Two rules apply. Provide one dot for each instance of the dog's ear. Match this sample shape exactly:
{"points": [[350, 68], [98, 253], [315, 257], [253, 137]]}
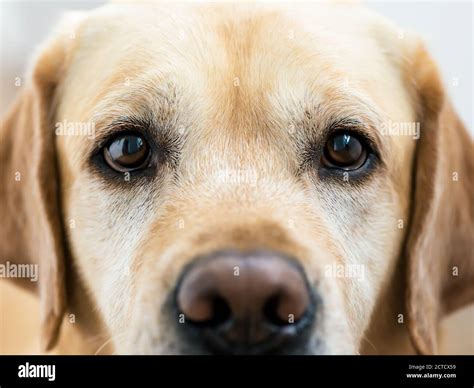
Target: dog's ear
{"points": [[31, 225], [439, 246]]}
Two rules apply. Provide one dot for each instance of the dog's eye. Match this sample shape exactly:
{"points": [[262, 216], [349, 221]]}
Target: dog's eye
{"points": [[344, 151], [127, 152]]}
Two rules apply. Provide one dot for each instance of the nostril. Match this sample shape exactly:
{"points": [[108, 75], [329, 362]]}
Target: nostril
{"points": [[273, 313], [220, 313]]}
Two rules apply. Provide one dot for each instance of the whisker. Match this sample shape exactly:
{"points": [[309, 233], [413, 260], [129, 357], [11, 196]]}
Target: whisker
{"points": [[118, 336]]}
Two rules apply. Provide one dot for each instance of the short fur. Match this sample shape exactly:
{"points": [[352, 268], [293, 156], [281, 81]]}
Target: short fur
{"points": [[241, 91]]}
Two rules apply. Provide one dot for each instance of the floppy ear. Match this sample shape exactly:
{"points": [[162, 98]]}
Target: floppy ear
{"points": [[439, 246], [31, 226]]}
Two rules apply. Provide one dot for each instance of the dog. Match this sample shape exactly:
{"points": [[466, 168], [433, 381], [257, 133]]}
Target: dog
{"points": [[237, 179]]}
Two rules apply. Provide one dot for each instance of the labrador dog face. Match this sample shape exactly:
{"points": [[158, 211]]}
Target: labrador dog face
{"points": [[244, 188]]}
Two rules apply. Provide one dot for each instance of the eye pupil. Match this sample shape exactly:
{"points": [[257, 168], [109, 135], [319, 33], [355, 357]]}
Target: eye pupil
{"points": [[344, 151], [127, 153]]}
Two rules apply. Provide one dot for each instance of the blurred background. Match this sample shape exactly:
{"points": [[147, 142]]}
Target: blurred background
{"points": [[446, 26]]}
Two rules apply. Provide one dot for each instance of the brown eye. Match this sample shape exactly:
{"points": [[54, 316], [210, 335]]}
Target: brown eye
{"points": [[127, 152], [345, 151]]}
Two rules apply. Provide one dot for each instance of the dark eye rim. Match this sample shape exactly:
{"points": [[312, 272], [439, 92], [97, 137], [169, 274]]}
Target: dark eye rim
{"points": [[99, 166], [104, 149], [372, 164], [366, 151]]}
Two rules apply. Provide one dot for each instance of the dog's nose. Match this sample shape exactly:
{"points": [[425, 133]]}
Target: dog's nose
{"points": [[257, 302]]}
